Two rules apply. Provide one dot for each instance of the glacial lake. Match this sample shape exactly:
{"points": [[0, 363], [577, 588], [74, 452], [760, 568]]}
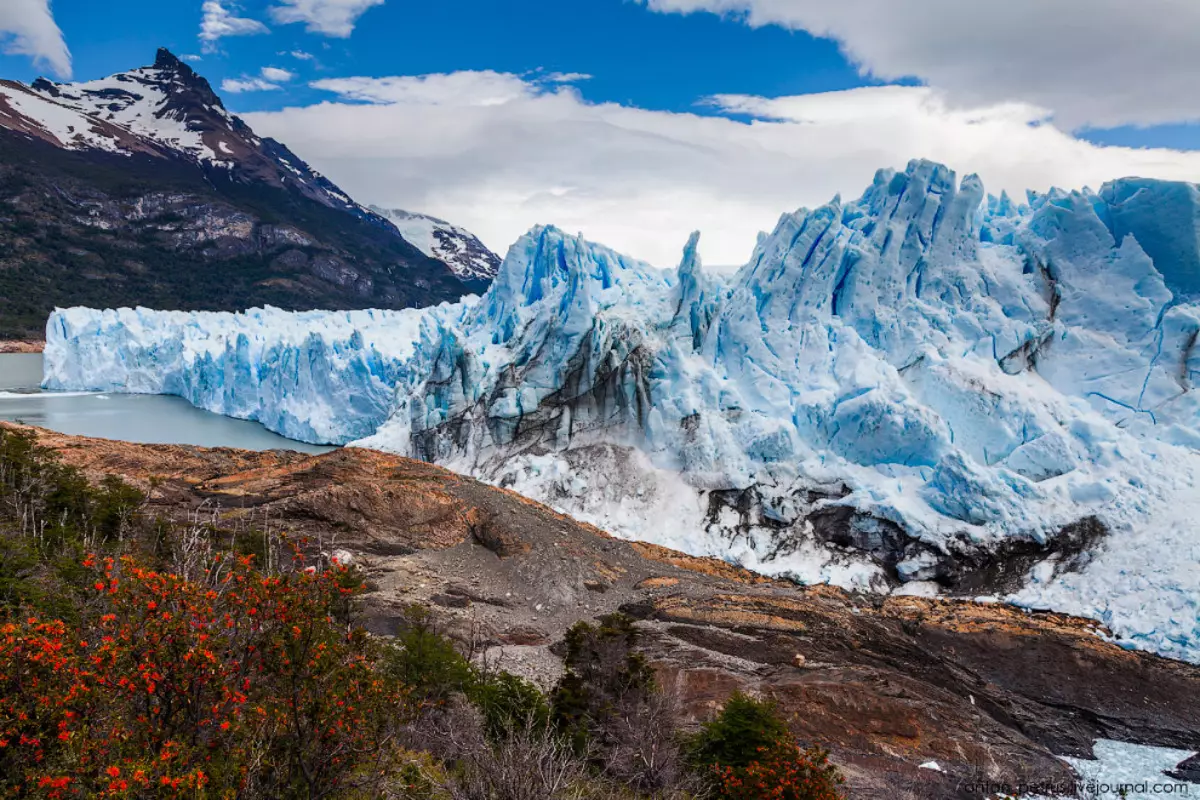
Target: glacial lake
{"points": [[152, 419]]}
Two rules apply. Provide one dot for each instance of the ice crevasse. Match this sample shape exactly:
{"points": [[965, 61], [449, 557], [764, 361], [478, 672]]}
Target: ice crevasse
{"points": [[925, 389]]}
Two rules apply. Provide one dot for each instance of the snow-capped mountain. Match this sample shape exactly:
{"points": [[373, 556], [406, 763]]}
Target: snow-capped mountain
{"points": [[156, 194], [925, 389], [457, 247], [170, 105]]}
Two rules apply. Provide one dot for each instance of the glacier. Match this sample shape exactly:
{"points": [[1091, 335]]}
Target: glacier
{"points": [[927, 389]]}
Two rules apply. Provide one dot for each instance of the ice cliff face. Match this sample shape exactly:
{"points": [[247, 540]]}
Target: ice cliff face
{"points": [[924, 388]]}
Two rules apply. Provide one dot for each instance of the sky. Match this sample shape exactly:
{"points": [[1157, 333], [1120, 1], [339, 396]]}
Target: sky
{"points": [[638, 121]]}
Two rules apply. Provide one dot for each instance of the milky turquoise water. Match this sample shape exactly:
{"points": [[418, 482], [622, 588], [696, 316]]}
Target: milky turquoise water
{"points": [[152, 419]]}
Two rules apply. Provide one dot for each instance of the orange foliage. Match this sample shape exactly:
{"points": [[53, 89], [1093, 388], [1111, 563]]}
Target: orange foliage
{"points": [[784, 772], [236, 684]]}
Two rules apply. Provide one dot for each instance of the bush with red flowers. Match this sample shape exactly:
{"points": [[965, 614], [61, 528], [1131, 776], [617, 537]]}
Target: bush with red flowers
{"points": [[786, 772], [237, 684]]}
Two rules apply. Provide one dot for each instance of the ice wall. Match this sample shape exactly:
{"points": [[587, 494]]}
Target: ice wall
{"points": [[909, 387], [319, 377]]}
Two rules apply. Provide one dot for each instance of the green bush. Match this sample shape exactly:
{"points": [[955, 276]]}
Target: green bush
{"points": [[604, 674], [740, 733], [430, 664], [53, 505], [18, 575], [49, 515], [748, 752], [427, 661], [509, 703]]}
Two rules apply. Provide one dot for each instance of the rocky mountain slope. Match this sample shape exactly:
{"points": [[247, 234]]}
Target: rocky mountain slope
{"points": [[989, 692], [468, 257], [922, 390], [141, 189]]}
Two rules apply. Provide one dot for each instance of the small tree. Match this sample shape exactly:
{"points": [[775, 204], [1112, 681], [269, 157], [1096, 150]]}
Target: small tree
{"points": [[436, 671], [609, 704], [604, 674], [424, 659], [509, 703]]}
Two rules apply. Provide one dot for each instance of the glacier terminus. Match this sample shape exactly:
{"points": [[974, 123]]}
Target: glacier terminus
{"points": [[927, 389]]}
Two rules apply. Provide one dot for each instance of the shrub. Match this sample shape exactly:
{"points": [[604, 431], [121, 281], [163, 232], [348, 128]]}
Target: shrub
{"points": [[744, 729], [431, 665], [604, 674], [785, 773], [509, 703], [49, 515], [747, 753], [424, 659], [525, 764], [242, 684], [611, 707], [53, 505]]}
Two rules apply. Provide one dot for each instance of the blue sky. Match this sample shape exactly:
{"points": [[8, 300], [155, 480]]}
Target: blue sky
{"points": [[634, 56], [717, 114]]}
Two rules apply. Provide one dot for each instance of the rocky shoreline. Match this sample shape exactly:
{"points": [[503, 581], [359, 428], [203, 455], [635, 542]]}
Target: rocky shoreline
{"points": [[21, 346], [990, 692]]}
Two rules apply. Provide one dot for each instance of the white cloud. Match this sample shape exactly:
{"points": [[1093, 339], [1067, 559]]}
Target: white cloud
{"points": [[300, 55], [567, 77], [330, 17], [277, 75], [27, 28], [1093, 62], [240, 85], [498, 154], [219, 21], [460, 89], [192, 57]]}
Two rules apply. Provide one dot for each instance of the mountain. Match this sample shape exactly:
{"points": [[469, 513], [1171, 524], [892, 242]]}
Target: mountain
{"points": [[142, 189], [990, 693], [922, 390], [457, 247]]}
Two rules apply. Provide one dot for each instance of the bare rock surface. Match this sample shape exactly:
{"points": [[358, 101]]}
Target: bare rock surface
{"points": [[21, 346]]}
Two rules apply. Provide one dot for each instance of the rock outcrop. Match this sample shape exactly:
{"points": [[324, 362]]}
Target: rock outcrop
{"points": [[21, 346]]}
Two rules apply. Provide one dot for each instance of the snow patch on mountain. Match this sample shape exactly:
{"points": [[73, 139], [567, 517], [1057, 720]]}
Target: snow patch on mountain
{"points": [[139, 100], [21, 109], [925, 385], [143, 101], [456, 247], [165, 110]]}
